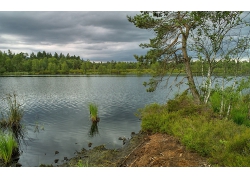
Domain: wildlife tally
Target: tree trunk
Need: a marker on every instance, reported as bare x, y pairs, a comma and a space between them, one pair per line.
189, 73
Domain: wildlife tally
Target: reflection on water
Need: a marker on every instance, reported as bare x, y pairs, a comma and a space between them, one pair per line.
56, 115
93, 131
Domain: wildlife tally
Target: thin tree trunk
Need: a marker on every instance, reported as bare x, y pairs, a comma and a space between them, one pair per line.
208, 85
190, 78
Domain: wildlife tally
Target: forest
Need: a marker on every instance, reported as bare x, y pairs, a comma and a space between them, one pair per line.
44, 63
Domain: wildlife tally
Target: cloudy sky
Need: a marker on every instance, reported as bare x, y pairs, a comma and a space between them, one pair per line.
98, 33
94, 35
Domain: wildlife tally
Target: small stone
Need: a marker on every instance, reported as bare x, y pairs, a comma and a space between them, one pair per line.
56, 152
18, 164
120, 138
65, 158
89, 144
56, 160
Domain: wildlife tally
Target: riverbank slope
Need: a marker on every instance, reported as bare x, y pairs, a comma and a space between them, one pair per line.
142, 150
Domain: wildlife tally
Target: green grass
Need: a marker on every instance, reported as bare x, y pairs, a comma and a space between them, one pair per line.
93, 109
14, 112
7, 147
222, 141
81, 164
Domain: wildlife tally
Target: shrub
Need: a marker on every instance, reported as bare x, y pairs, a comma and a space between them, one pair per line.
224, 142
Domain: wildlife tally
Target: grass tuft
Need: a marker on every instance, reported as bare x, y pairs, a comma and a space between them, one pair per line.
93, 109
7, 146
14, 112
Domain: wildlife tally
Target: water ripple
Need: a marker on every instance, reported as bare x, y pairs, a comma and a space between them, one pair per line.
58, 108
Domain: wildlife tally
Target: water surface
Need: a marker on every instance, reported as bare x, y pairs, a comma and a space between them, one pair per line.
56, 114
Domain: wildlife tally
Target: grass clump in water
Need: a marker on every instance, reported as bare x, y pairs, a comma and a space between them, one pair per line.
8, 145
14, 112
93, 109
200, 129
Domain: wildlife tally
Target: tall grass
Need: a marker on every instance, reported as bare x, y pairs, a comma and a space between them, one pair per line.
224, 142
14, 112
7, 146
93, 109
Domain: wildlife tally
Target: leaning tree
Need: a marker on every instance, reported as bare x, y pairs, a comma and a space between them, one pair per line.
181, 36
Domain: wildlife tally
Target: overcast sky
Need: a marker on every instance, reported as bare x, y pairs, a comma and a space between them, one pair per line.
94, 35
95, 30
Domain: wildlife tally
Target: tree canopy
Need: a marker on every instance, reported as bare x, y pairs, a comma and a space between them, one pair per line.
180, 36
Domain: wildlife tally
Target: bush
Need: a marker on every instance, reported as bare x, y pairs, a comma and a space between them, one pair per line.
224, 142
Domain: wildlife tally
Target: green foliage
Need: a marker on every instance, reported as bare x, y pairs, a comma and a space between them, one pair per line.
93, 109
215, 101
14, 112
224, 142
54, 64
7, 146
230, 102
81, 164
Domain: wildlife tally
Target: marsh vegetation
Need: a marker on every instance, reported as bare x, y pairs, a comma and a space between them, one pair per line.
93, 109
11, 129
14, 112
200, 128
8, 147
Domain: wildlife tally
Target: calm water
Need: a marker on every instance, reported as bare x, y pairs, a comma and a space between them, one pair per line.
56, 114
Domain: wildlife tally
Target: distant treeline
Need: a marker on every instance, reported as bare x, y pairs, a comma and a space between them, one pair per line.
46, 63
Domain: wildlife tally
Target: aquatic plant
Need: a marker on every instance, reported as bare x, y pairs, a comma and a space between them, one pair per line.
14, 112
8, 145
93, 109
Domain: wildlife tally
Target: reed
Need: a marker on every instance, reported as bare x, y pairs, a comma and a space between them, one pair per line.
93, 109
14, 112
8, 145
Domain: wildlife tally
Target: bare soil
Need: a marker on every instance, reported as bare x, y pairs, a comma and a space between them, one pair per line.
142, 150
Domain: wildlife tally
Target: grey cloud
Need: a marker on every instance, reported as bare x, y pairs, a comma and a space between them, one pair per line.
87, 31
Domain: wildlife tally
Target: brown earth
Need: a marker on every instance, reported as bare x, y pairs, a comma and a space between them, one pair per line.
142, 150
162, 150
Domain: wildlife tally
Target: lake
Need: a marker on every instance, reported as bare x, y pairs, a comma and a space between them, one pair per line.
56, 115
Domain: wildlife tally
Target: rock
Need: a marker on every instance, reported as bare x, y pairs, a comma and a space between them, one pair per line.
122, 138
56, 160
56, 152
83, 149
99, 148
124, 141
65, 158
132, 133
18, 164
89, 144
